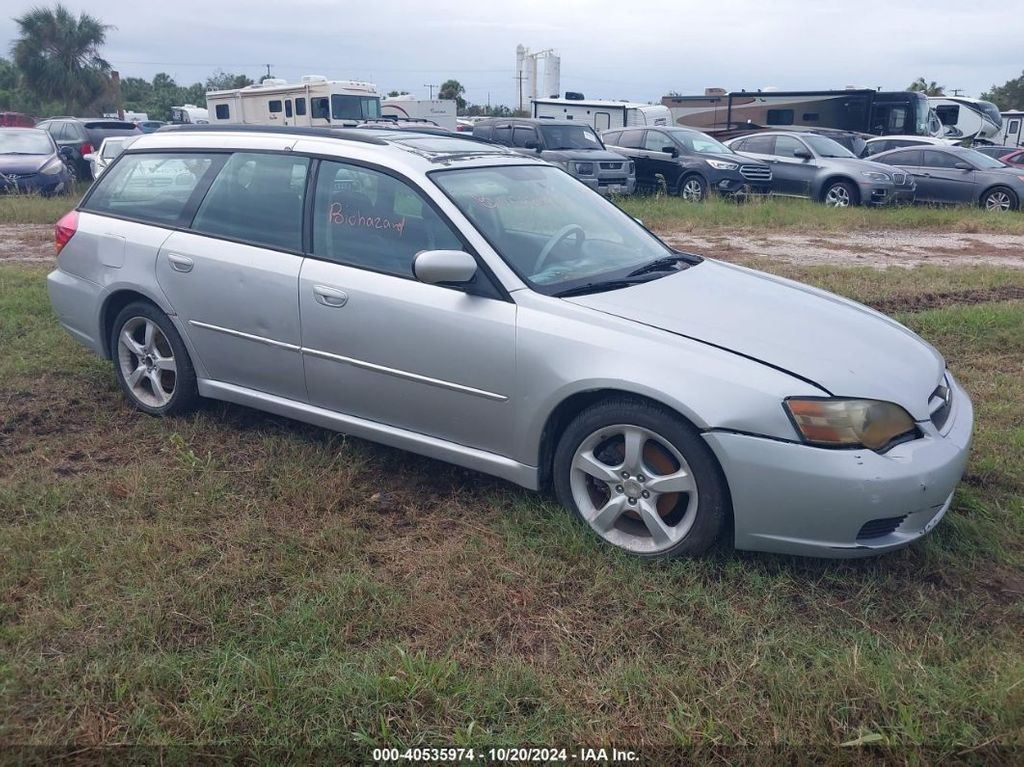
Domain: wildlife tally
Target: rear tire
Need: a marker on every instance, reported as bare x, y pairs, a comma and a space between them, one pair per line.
999, 199
642, 478
151, 362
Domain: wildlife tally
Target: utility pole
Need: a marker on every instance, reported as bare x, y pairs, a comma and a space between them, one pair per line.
958, 92
431, 87
115, 82
519, 79
268, 71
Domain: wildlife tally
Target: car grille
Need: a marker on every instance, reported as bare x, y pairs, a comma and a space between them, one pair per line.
940, 403
756, 172
879, 528
899, 178
610, 165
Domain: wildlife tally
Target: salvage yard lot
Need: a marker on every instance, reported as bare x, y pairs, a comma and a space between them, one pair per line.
235, 577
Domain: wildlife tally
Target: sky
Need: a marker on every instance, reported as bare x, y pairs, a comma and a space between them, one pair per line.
609, 49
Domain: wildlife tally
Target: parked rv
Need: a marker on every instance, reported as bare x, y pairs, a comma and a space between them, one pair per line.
956, 175
601, 115
964, 118
572, 146
690, 163
441, 112
315, 101
190, 114
862, 110
1012, 133
820, 169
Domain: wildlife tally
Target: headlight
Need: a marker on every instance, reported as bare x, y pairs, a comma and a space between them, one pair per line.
849, 422
722, 165
632, 168
585, 168
876, 175
53, 167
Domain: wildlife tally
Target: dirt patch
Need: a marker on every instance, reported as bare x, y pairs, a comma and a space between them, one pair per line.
26, 243
919, 302
880, 250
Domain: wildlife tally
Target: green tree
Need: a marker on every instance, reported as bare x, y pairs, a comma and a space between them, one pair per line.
927, 88
392, 94
1009, 95
452, 89
58, 56
223, 81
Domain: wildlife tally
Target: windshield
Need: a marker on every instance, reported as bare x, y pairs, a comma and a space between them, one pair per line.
826, 147
982, 161
112, 148
553, 231
991, 111
570, 137
25, 142
355, 107
925, 118
698, 142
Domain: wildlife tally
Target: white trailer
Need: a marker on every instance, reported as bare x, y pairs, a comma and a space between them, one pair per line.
315, 101
408, 107
189, 114
962, 117
1012, 133
601, 114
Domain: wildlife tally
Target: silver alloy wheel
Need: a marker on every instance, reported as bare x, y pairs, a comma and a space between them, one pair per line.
693, 190
147, 364
998, 200
645, 499
838, 196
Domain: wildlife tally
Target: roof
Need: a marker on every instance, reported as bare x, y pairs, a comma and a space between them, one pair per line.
415, 150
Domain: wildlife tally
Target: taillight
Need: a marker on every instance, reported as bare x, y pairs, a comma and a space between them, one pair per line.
85, 149
64, 230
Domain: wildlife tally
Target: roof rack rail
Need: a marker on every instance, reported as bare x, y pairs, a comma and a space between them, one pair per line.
287, 130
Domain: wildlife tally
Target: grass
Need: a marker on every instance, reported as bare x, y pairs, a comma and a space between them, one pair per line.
234, 578
671, 213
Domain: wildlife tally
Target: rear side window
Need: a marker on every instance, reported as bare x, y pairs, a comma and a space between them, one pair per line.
611, 137
257, 198
759, 144
156, 188
631, 139
503, 134
368, 219
483, 131
222, 111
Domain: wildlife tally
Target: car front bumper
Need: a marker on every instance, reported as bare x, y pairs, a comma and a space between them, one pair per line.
791, 498
609, 185
886, 194
34, 183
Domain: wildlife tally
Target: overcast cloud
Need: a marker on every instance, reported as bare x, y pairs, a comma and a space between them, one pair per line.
630, 50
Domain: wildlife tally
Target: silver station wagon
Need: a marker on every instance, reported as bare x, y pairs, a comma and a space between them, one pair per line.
455, 299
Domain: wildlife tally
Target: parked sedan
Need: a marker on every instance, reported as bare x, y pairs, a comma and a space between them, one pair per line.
459, 300
959, 176
819, 168
1008, 155
30, 162
881, 144
690, 163
82, 136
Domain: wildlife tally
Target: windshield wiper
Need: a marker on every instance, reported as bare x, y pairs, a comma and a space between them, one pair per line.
596, 287
663, 265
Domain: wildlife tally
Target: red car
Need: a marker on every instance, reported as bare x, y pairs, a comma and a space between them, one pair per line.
16, 120
1008, 155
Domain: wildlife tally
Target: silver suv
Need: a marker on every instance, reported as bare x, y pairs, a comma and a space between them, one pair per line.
456, 299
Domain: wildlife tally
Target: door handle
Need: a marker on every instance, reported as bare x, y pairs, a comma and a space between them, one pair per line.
331, 297
180, 263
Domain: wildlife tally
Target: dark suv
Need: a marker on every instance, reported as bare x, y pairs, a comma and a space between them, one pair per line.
83, 136
690, 162
574, 147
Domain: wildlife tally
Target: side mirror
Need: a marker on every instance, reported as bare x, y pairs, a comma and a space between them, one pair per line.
89, 157
435, 266
670, 150
802, 154
532, 144
964, 166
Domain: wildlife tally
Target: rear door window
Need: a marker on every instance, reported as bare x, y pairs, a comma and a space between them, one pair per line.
759, 145
257, 198
156, 188
910, 157
933, 159
631, 139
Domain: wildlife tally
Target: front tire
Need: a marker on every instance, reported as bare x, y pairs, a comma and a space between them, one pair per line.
999, 199
151, 363
642, 478
693, 188
840, 194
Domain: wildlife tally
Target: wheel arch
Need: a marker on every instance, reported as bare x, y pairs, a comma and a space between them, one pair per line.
833, 178
112, 304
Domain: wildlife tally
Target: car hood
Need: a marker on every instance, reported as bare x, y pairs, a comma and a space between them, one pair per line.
856, 165
736, 157
841, 346
23, 163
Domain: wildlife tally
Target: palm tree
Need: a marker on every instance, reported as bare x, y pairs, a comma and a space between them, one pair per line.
58, 55
927, 88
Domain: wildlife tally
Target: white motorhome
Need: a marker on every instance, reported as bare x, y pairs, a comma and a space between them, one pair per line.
189, 114
962, 117
1012, 133
315, 101
601, 114
408, 107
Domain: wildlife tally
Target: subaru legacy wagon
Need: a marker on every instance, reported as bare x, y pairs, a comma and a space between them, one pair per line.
459, 300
